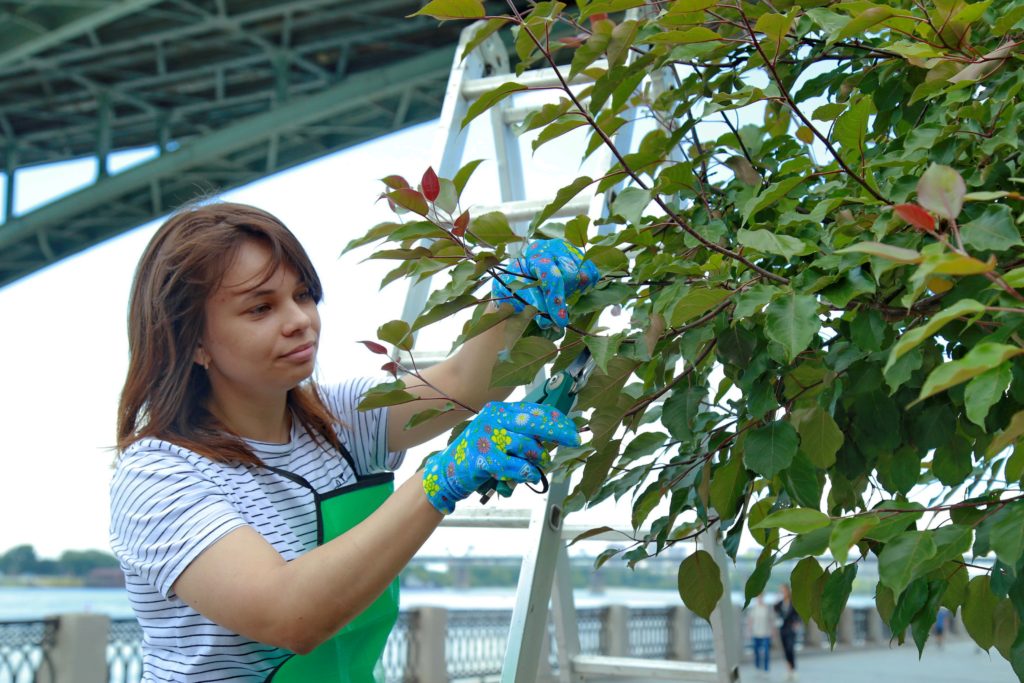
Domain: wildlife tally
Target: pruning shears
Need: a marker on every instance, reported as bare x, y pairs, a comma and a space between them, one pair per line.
559, 392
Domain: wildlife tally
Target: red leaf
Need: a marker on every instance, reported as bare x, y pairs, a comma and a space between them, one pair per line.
916, 216
391, 367
598, 16
573, 41
461, 223
431, 185
395, 182
375, 347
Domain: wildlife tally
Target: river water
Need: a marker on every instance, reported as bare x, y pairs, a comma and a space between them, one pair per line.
37, 603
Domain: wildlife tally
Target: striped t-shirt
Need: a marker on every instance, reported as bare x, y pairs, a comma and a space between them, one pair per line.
168, 504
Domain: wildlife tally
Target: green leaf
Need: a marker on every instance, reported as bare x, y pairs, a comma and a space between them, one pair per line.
834, 598
883, 251
727, 487
848, 532
1008, 435
820, 436
464, 174
608, 259
493, 228
452, 9
910, 339
758, 579
1006, 534
557, 129
767, 242
489, 28
695, 303
993, 230
793, 322
978, 610
489, 99
562, 198
526, 359
444, 310
700, 583
605, 387
426, 415
630, 204
894, 517
984, 391
797, 520
941, 190
697, 34
396, 332
769, 196
594, 46
828, 112
387, 394
603, 349
802, 580
851, 129
981, 358
770, 449
901, 559
951, 463
863, 21
680, 410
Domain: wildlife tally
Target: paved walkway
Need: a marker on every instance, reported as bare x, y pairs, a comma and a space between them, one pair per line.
958, 662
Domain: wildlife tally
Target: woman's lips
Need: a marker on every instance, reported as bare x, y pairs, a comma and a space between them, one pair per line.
302, 353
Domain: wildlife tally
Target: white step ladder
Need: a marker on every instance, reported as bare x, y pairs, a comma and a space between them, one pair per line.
545, 575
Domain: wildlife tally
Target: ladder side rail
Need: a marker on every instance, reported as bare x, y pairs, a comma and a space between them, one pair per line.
724, 625
567, 633
530, 612
451, 139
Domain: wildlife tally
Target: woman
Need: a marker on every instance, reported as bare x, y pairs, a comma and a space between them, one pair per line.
251, 508
788, 618
760, 623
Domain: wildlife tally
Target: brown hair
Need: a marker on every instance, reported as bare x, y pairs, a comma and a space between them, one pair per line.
165, 392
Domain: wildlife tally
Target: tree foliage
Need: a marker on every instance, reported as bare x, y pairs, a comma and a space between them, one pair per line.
818, 255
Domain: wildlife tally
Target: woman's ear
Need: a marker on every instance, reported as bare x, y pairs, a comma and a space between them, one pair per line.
201, 357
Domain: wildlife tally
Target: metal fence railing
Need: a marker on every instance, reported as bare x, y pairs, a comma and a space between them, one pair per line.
23, 650
474, 644
650, 633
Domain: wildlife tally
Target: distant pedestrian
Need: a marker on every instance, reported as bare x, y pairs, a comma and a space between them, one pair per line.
761, 622
940, 626
787, 619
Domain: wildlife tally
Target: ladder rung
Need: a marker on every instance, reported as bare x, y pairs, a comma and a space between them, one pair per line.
532, 78
488, 518
527, 208
648, 669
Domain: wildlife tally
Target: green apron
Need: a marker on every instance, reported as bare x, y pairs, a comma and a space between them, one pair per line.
353, 654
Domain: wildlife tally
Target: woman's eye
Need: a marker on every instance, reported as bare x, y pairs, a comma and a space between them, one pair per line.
257, 310
304, 295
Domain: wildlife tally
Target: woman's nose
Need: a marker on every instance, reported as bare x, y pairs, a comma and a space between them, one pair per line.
298, 318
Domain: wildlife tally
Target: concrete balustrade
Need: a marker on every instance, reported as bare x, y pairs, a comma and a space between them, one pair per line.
80, 648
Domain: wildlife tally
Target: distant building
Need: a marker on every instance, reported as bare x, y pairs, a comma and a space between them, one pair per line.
105, 577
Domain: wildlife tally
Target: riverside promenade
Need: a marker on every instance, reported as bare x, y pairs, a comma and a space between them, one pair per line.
959, 661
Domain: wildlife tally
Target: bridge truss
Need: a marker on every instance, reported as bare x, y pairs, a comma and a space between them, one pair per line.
224, 91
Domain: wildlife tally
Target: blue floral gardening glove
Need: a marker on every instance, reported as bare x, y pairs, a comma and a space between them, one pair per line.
502, 442
560, 271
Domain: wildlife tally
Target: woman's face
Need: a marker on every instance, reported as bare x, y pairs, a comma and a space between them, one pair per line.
260, 338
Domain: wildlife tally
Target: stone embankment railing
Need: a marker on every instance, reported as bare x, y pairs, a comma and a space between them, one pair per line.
428, 645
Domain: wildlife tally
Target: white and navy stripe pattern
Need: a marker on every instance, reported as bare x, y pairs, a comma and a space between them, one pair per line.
168, 504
